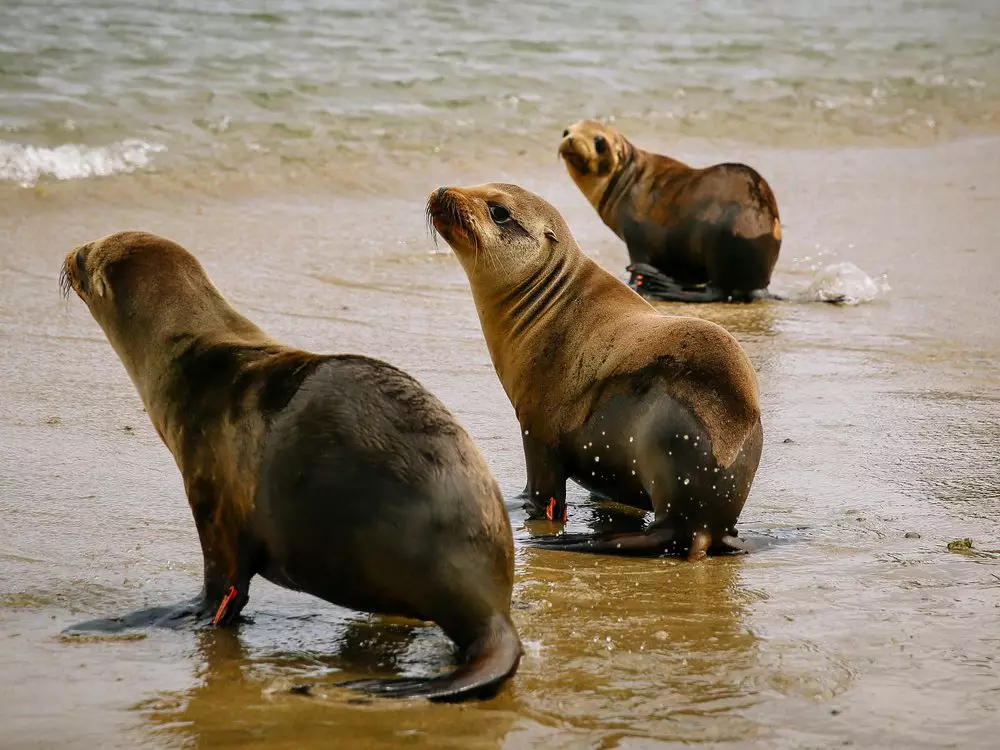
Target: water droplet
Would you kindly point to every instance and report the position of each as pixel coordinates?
(687, 481)
(631, 439)
(685, 437)
(597, 459)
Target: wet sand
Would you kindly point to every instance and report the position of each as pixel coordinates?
(880, 419)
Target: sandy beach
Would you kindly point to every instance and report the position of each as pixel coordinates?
(880, 418)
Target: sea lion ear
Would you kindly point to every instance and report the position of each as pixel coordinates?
(552, 236)
(99, 283)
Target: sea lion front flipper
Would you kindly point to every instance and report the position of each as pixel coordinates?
(194, 612)
(545, 492)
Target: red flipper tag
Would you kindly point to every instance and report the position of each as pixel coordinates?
(230, 595)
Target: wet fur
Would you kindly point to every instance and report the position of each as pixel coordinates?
(576, 349)
(336, 475)
(717, 226)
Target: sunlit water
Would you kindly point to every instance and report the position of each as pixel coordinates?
(881, 416)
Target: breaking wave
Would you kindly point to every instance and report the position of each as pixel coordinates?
(26, 165)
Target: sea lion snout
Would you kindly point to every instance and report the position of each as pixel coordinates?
(447, 212)
(73, 275)
(571, 152)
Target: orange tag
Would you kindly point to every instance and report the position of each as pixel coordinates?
(230, 595)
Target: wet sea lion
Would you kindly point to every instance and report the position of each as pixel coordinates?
(654, 411)
(336, 475)
(693, 235)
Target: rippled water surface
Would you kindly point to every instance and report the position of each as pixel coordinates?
(224, 85)
(291, 147)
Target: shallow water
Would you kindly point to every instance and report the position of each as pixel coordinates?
(881, 418)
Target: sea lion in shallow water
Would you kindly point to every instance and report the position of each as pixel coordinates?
(693, 235)
(654, 411)
(336, 475)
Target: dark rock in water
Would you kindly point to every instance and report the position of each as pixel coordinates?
(960, 545)
(911, 535)
(788, 440)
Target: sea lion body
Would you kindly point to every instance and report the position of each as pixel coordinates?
(717, 228)
(658, 412)
(335, 475)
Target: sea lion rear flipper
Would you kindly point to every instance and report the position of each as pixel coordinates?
(490, 660)
(652, 284)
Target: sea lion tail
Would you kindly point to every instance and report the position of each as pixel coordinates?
(490, 661)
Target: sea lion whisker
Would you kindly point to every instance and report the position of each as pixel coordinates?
(65, 285)
(429, 222)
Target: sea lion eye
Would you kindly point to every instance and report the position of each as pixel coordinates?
(565, 132)
(499, 214)
(600, 144)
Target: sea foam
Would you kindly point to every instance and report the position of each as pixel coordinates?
(27, 164)
(844, 283)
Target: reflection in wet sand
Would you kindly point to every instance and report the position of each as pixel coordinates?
(245, 698)
(645, 649)
(641, 648)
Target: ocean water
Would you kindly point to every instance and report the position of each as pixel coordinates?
(291, 146)
(93, 88)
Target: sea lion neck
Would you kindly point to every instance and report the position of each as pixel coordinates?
(168, 354)
(621, 181)
(511, 316)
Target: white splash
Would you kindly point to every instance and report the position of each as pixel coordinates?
(27, 164)
(845, 284)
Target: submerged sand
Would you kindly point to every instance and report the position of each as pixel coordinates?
(881, 419)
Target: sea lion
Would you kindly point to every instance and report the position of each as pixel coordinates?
(654, 411)
(716, 228)
(336, 475)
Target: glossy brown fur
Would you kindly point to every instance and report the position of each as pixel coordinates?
(336, 475)
(567, 338)
(717, 226)
(209, 379)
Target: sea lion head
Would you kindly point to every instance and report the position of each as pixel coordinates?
(141, 289)
(501, 233)
(592, 152)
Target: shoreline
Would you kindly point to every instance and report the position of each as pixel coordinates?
(392, 176)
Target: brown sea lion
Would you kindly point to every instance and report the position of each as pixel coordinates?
(653, 411)
(336, 475)
(693, 235)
